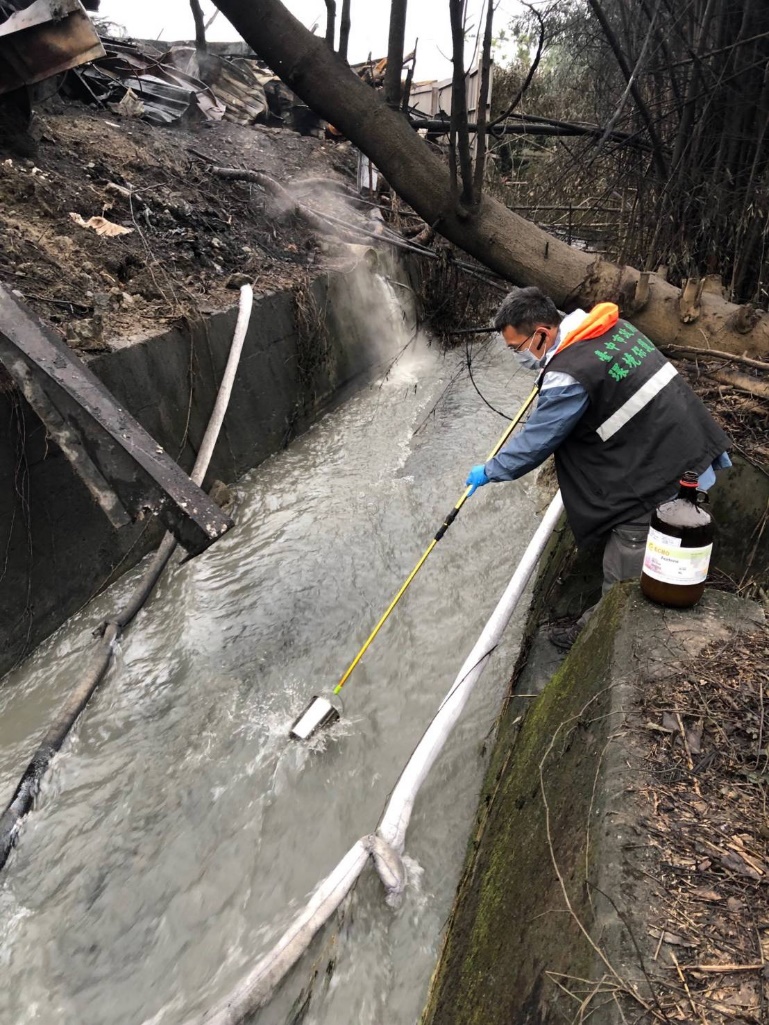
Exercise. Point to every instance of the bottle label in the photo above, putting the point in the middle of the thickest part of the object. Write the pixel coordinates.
(667, 561)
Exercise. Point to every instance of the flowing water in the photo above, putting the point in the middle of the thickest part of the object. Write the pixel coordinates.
(180, 829)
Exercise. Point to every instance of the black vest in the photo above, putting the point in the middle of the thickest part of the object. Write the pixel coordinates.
(643, 429)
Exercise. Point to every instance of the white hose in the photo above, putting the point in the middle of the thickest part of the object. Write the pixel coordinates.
(260, 983)
(225, 388)
(389, 866)
(395, 820)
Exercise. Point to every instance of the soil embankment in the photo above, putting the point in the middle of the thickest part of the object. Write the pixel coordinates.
(191, 235)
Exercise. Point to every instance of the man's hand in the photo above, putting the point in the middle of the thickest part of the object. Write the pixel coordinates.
(476, 478)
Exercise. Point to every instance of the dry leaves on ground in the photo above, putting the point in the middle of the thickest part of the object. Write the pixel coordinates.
(706, 738)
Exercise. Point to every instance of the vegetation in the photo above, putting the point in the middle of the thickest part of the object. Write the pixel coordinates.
(452, 197)
(679, 174)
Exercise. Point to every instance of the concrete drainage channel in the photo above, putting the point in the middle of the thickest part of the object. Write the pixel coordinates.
(179, 793)
(552, 771)
(386, 846)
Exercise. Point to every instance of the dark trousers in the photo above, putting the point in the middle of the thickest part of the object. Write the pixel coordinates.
(623, 556)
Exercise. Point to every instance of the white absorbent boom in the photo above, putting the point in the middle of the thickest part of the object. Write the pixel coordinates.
(386, 845)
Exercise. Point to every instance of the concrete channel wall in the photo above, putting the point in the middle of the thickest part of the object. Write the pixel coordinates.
(58, 548)
(556, 902)
(554, 905)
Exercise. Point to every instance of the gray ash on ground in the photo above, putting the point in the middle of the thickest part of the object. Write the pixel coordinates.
(194, 238)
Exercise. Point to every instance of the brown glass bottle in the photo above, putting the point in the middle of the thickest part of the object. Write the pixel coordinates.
(678, 549)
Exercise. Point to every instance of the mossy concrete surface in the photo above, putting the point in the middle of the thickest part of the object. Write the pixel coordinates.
(740, 504)
(553, 899)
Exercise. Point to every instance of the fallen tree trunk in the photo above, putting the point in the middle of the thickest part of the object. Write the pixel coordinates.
(508, 244)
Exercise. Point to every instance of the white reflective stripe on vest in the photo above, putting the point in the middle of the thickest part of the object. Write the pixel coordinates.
(636, 402)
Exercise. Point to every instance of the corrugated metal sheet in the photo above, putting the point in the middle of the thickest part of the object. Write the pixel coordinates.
(236, 82)
(238, 86)
(431, 98)
(166, 91)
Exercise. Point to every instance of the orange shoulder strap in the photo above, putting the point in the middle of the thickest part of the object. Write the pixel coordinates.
(601, 319)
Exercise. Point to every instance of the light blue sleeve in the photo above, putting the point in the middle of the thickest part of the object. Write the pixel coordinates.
(557, 412)
(708, 477)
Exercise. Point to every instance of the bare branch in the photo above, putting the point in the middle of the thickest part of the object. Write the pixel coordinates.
(532, 70)
(392, 82)
(409, 79)
(483, 99)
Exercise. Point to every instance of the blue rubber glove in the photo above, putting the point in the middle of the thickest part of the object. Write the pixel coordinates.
(477, 478)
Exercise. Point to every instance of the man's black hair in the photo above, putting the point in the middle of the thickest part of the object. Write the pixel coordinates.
(525, 308)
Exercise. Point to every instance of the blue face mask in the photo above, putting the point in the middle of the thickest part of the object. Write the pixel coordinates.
(528, 360)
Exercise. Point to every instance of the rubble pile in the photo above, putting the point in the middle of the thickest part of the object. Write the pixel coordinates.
(164, 84)
(113, 220)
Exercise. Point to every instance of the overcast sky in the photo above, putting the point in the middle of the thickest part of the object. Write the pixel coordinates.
(428, 21)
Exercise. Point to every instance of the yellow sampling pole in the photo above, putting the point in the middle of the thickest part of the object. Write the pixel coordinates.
(442, 530)
(320, 712)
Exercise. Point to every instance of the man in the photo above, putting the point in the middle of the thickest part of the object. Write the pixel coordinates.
(622, 423)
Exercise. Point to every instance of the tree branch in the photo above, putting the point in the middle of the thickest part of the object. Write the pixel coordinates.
(699, 57)
(392, 80)
(483, 99)
(409, 79)
(741, 382)
(532, 70)
(330, 23)
(693, 352)
(525, 124)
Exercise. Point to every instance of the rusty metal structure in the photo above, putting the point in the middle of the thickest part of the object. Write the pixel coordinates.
(44, 38)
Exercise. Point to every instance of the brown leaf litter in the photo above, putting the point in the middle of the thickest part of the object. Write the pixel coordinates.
(743, 417)
(704, 736)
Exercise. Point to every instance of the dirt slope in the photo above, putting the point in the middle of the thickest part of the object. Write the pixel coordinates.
(192, 237)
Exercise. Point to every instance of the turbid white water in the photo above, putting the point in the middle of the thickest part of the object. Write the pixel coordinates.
(180, 829)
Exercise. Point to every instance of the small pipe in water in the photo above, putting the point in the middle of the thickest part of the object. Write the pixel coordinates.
(469, 331)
